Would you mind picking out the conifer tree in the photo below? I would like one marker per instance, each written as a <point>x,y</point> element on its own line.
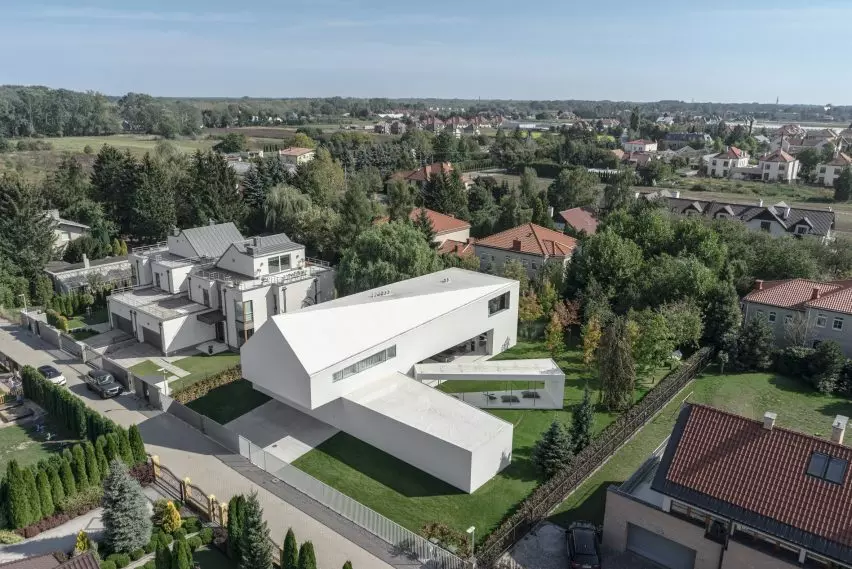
<point>67,477</point>
<point>347,565</point>
<point>581,422</point>
<point>127,525</point>
<point>181,556</point>
<point>124,447</point>
<point>552,452</point>
<point>93,470</point>
<point>111,449</point>
<point>17,503</point>
<point>137,446</point>
<point>235,527</point>
<point>163,557</point>
<point>290,553</point>
<point>79,467</point>
<point>307,558</point>
<point>44,494</point>
<point>57,492</point>
<point>171,518</point>
<point>100,454</point>
<point>617,367</point>
<point>32,495</point>
<point>255,546</point>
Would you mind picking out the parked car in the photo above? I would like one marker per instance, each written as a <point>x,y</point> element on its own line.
<point>53,375</point>
<point>102,382</point>
<point>583,549</point>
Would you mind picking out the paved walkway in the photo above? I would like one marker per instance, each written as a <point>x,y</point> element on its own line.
<point>187,452</point>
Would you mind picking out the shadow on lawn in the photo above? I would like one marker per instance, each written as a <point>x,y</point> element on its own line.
<point>521,467</point>
<point>589,510</point>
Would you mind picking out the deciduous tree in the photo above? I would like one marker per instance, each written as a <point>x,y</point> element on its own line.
<point>554,335</point>
<point>617,367</point>
<point>512,269</point>
<point>754,346</point>
<point>843,185</point>
<point>722,315</point>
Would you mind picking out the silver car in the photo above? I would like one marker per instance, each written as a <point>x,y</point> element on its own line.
<point>53,375</point>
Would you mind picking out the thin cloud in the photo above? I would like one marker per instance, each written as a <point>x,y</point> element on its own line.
<point>143,16</point>
<point>407,20</point>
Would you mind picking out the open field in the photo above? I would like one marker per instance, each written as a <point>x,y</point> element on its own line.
<point>412,498</point>
<point>26,446</point>
<point>798,406</point>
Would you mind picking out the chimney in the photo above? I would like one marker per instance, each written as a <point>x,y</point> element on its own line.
<point>677,194</point>
<point>550,211</point>
<point>760,203</point>
<point>85,261</point>
<point>211,222</point>
<point>838,429</point>
<point>255,241</point>
<point>787,213</point>
<point>175,231</point>
<point>769,420</point>
<point>815,294</point>
<point>758,284</point>
<point>516,245</point>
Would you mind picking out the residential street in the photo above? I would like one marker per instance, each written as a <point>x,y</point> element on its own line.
<point>188,453</point>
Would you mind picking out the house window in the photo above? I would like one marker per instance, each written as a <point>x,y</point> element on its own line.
<point>498,304</point>
<point>821,320</point>
<point>157,280</point>
<point>244,311</point>
<point>714,162</point>
<point>365,364</point>
<point>279,263</point>
<point>206,294</point>
<point>827,467</point>
<point>801,229</point>
<point>788,319</point>
<point>772,316</point>
<point>534,266</point>
<point>837,324</point>
<point>822,170</point>
<point>765,225</point>
<point>524,262</point>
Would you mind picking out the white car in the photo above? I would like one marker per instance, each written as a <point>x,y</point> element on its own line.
<point>53,375</point>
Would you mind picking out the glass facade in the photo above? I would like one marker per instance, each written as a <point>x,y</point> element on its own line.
<point>365,364</point>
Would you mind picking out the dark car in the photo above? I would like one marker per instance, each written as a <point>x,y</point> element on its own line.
<point>52,374</point>
<point>583,550</point>
<point>102,382</point>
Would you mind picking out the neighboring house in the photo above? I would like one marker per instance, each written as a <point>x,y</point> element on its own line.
<point>381,128</point>
<point>432,124</point>
<point>640,145</point>
<point>348,363</point>
<point>66,230</point>
<point>397,127</point>
<point>85,560</point>
<point>678,140</point>
<point>446,227</point>
<point>578,219</point>
<point>665,120</point>
<point>730,492</point>
<point>830,171</point>
<point>803,312</point>
<point>638,159</point>
<point>297,156</point>
<point>721,164</point>
<point>421,176</point>
<point>530,244</point>
<point>779,219</point>
<point>211,284</point>
<point>69,277</point>
<point>779,166</point>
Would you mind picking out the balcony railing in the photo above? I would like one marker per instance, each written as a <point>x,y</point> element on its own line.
<point>311,268</point>
<point>161,246</point>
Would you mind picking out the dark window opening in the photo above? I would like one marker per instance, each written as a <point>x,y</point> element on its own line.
<point>828,468</point>
<point>498,304</point>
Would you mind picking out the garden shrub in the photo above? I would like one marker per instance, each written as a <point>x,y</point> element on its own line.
<point>107,565</point>
<point>208,384</point>
<point>191,525</point>
<point>82,502</point>
<point>121,560</point>
<point>194,542</point>
<point>794,361</point>
<point>150,565</point>
<point>179,533</point>
<point>206,536</point>
<point>137,554</point>
<point>10,537</point>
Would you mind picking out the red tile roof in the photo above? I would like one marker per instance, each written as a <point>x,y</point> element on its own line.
<point>533,239</point>
<point>441,222</point>
<point>459,248</point>
<point>778,156</point>
<point>295,151</point>
<point>798,294</point>
<point>737,461</point>
<point>841,160</point>
<point>46,561</point>
<point>423,174</point>
<point>580,219</point>
<point>732,153</point>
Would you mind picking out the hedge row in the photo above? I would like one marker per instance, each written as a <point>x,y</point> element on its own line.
<point>56,320</point>
<point>208,384</point>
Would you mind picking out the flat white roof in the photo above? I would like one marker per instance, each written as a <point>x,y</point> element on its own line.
<point>330,332</point>
<point>534,367</point>
<point>425,409</point>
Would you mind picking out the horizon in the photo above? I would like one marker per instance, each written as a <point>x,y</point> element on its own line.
<point>620,52</point>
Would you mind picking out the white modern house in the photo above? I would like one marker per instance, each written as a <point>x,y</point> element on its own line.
<point>640,145</point>
<point>779,166</point>
<point>351,364</point>
<point>210,287</point>
<point>721,164</point>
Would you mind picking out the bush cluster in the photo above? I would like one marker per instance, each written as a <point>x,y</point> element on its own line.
<point>208,384</point>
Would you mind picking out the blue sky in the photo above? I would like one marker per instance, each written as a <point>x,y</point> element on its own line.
<point>721,50</point>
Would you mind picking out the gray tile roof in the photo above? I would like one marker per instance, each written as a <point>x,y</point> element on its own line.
<point>212,240</point>
<point>820,221</point>
<point>267,245</point>
<point>47,561</point>
<point>84,561</point>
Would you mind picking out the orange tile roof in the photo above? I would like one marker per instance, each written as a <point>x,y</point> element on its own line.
<point>798,294</point>
<point>580,219</point>
<point>731,152</point>
<point>295,151</point>
<point>423,174</point>
<point>459,248</point>
<point>533,239</point>
<point>778,156</point>
<point>441,222</point>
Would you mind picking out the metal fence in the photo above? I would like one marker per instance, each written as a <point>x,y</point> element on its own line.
<point>551,493</point>
<point>403,541</point>
<point>70,345</point>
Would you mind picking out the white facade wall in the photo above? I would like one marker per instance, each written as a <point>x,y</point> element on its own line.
<point>185,332</point>
<point>460,235</point>
<point>119,308</point>
<point>640,147</point>
<point>721,167</point>
<point>779,171</point>
<point>179,245</point>
<point>142,269</point>
<point>830,174</point>
<point>775,228</point>
<point>297,259</point>
<point>492,260</point>
<point>195,289</point>
<point>67,233</point>
<point>233,260</point>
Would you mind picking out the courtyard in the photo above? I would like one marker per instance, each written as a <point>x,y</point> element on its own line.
<point>189,369</point>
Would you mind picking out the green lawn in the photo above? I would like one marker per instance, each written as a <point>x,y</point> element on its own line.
<point>229,401</point>
<point>199,366</point>
<point>797,405</point>
<point>138,144</point>
<point>83,333</point>
<point>81,320</point>
<point>411,497</point>
<point>28,447</point>
<point>208,557</point>
<point>146,368</point>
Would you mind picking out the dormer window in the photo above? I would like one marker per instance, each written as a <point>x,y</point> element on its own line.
<point>828,468</point>
<point>801,229</point>
<point>279,263</point>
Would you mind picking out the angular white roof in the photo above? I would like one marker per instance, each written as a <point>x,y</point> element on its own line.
<point>331,332</point>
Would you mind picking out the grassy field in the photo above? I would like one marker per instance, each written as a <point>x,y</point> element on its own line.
<point>28,447</point>
<point>412,498</point>
<point>81,321</point>
<point>199,366</point>
<point>751,395</point>
<point>229,401</point>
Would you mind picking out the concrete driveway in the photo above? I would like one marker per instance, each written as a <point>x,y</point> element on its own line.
<point>61,538</point>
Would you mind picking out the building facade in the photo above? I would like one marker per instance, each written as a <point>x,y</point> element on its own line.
<point>640,145</point>
<point>779,166</point>
<point>827,173</point>
<point>721,164</point>
<point>66,230</point>
<point>530,245</point>
<point>297,156</point>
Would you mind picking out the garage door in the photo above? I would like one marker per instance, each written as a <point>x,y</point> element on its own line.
<point>123,324</point>
<point>153,338</point>
<point>659,549</point>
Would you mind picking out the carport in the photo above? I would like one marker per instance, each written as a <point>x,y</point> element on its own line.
<point>658,549</point>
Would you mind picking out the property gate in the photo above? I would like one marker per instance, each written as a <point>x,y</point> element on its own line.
<point>171,483</point>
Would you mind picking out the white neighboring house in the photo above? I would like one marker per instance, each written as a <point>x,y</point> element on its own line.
<point>349,362</point>
<point>640,145</point>
<point>721,164</point>
<point>779,166</point>
<point>530,244</point>
<point>66,230</point>
<point>830,171</point>
<point>210,284</point>
<point>296,156</point>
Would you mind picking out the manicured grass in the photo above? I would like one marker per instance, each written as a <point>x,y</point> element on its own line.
<point>229,401</point>
<point>81,320</point>
<point>83,333</point>
<point>146,368</point>
<point>138,144</point>
<point>412,498</point>
<point>479,386</point>
<point>751,395</point>
<point>26,446</point>
<point>201,366</point>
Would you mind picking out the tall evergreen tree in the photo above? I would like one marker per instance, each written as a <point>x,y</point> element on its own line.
<point>255,547</point>
<point>137,446</point>
<point>754,346</point>
<point>307,557</point>
<point>79,467</point>
<point>181,556</point>
<point>26,231</point>
<point>617,368</point>
<point>92,469</point>
<point>57,492</point>
<point>124,446</point>
<point>163,557</point>
<point>16,502</point>
<point>254,189</point>
<point>127,525</point>
<point>356,213</point>
<point>111,450</point>
<point>400,200</point>
<point>33,495</point>
<point>154,206</point>
<point>212,193</point>
<point>347,565</point>
<point>44,494</point>
<point>115,177</point>
<point>235,527</point>
<point>552,452</point>
<point>424,226</point>
<point>66,474</point>
<point>290,552</point>
<point>582,421</point>
<point>100,454</point>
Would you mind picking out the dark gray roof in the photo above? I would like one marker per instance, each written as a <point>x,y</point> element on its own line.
<point>84,561</point>
<point>212,240</point>
<point>820,221</point>
<point>47,561</point>
<point>267,245</point>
